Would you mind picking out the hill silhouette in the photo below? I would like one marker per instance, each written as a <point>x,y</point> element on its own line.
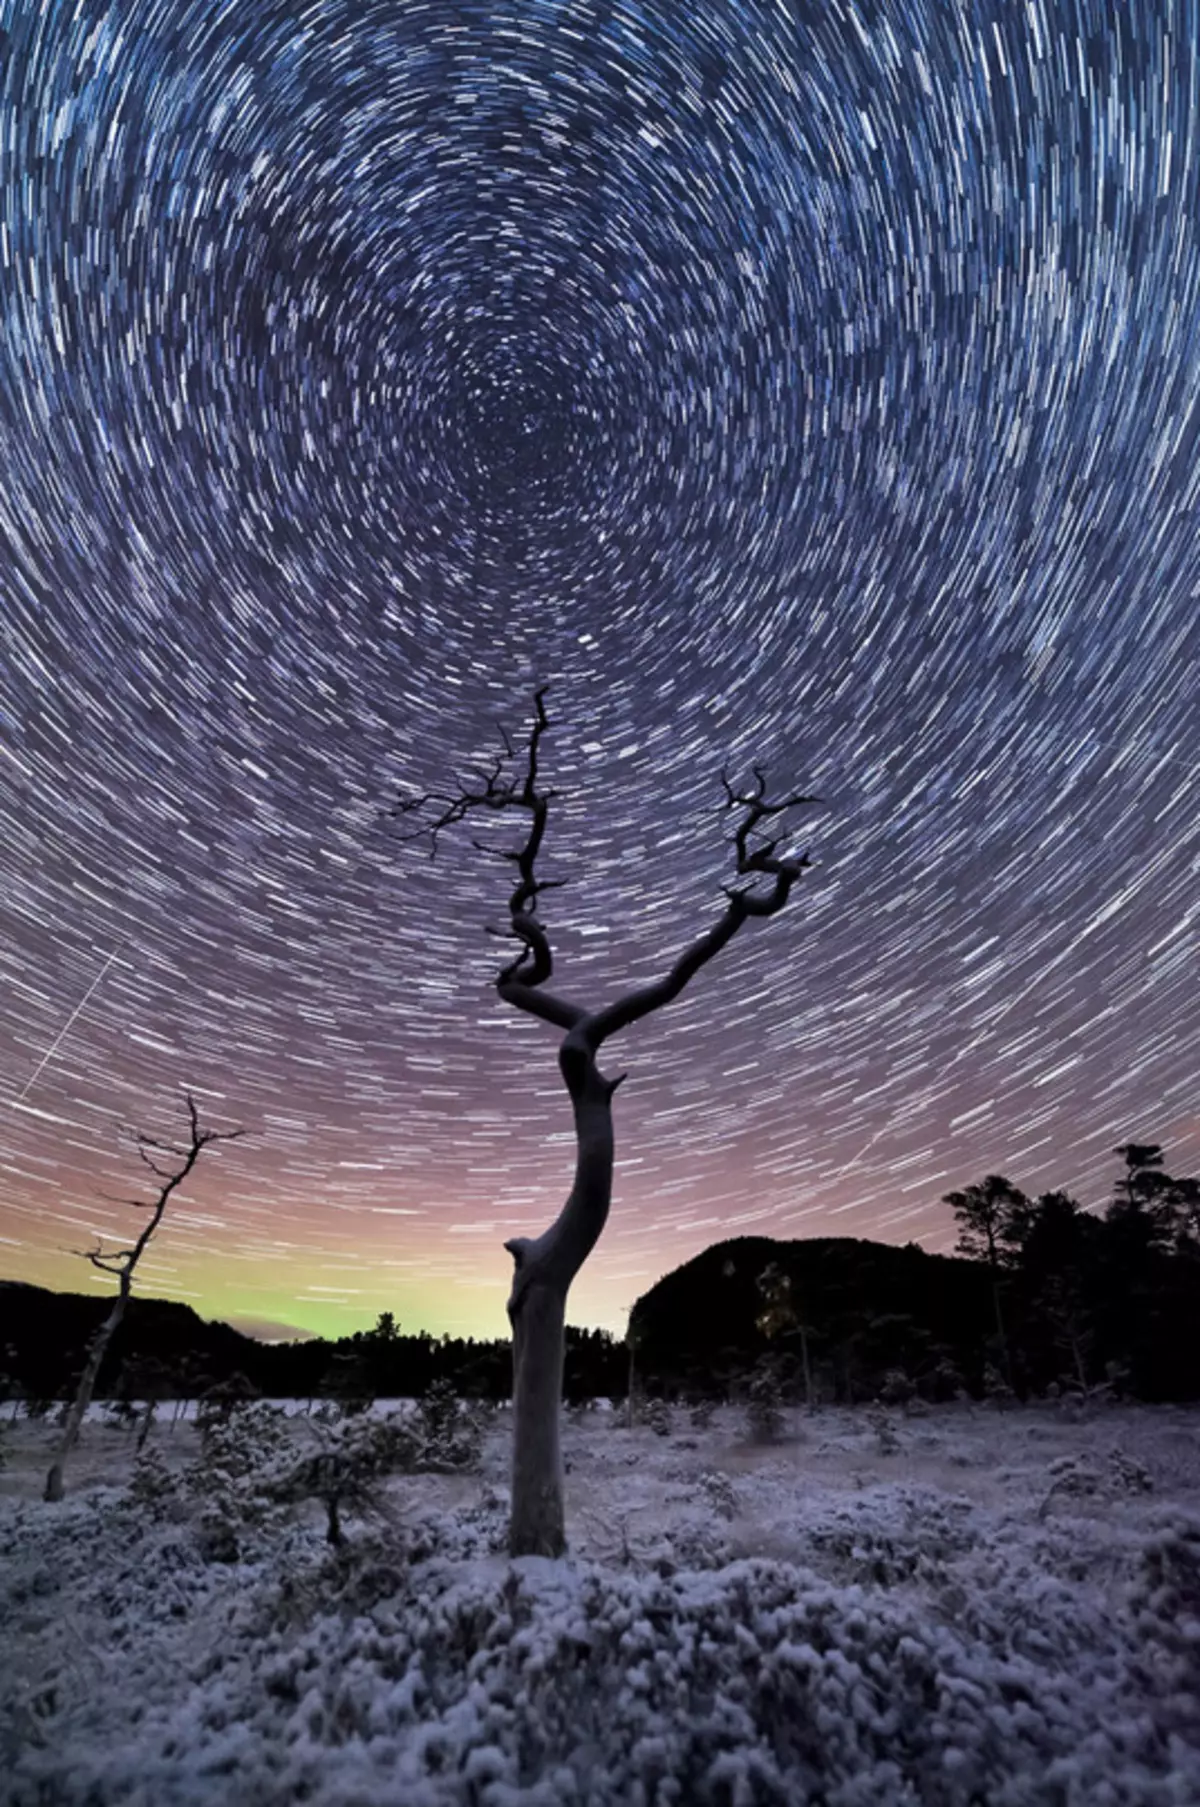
<point>44,1337</point>
<point>866,1307</point>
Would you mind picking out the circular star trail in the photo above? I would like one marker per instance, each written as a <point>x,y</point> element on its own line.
<point>813,384</point>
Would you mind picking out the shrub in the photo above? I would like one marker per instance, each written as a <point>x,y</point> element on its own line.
<point>764,1405</point>
<point>343,1472</point>
<point>996,1389</point>
<point>897,1388</point>
<point>884,1427</point>
<point>450,1432</point>
<point>656,1416</point>
<point>219,1401</point>
<point>152,1486</point>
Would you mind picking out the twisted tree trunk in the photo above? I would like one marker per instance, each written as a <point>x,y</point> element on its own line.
<point>537,1304</point>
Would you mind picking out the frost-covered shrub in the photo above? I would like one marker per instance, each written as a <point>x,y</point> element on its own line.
<point>1165,1600</point>
<point>239,1442</point>
<point>945,1381</point>
<point>996,1389</point>
<point>1071,1478</point>
<point>231,1479</point>
<point>701,1413</point>
<point>344,1464</point>
<point>764,1404</point>
<point>699,1541</point>
<point>897,1388</point>
<point>254,1462</point>
<point>152,1487</point>
<point>656,1416</point>
<point>120,1414</point>
<point>888,1535</point>
<point>884,1427</point>
<point>1076,1478</point>
<point>451,1432</point>
<point>718,1493</point>
<point>220,1401</point>
<point>1127,1475</point>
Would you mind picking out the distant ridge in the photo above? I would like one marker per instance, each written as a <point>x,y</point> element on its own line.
<point>56,1327</point>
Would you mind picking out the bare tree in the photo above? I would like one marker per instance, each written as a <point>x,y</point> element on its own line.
<point>546,1265</point>
<point>122,1263</point>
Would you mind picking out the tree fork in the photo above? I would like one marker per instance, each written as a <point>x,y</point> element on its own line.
<point>545,1266</point>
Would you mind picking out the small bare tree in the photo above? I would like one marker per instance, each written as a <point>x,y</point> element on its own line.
<point>546,1265</point>
<point>122,1263</point>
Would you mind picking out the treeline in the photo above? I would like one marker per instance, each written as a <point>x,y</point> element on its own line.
<point>385,1363</point>
<point>165,1351</point>
<point>1081,1299</point>
<point>1049,1297</point>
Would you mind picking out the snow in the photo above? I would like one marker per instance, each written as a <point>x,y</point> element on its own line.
<point>1006,1609</point>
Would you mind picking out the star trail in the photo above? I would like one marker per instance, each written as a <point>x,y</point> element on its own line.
<point>816,384</point>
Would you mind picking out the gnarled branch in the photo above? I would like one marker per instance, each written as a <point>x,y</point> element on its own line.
<point>507,787</point>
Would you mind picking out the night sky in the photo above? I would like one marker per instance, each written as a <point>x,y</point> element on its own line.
<point>815,383</point>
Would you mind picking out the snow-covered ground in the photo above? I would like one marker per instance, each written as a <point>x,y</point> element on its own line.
<point>966,1608</point>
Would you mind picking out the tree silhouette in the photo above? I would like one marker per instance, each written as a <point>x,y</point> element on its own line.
<point>1142,1213</point>
<point>546,1265</point>
<point>991,1218</point>
<point>1143,1177</point>
<point>780,1317</point>
<point>122,1263</point>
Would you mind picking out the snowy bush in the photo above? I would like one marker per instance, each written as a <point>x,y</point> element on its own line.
<point>152,1487</point>
<point>764,1404</point>
<point>1127,1475</point>
<point>945,1381</point>
<point>1165,1599</point>
<point>656,1416</point>
<point>996,1389</point>
<point>717,1490</point>
<point>121,1414</point>
<point>254,1461</point>
<point>1076,1477</point>
<point>884,1426</point>
<point>897,1388</point>
<point>219,1401</point>
<point>345,1464</point>
<point>451,1432</point>
<point>232,1478</point>
<point>701,1413</point>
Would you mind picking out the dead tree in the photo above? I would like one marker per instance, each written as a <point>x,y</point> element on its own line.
<point>122,1263</point>
<point>546,1265</point>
